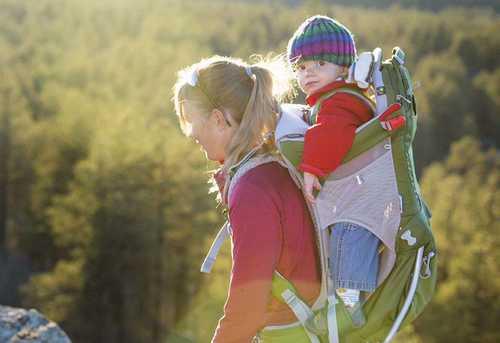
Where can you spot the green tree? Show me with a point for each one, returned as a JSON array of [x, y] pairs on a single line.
[[125, 229], [486, 105], [443, 108], [464, 193], [106, 199]]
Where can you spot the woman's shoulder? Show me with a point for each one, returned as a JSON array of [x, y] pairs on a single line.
[[265, 180], [266, 175]]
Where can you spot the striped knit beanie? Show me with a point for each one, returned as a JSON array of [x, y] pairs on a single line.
[[321, 38]]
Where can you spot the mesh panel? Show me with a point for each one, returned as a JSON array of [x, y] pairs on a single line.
[[368, 196]]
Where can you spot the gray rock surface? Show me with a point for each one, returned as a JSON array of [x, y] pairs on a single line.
[[18, 325]]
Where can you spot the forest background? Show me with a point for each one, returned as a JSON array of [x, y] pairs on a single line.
[[104, 212]]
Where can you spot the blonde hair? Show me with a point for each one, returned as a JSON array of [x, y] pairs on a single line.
[[249, 93]]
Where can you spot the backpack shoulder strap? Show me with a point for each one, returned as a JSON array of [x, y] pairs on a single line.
[[250, 161]]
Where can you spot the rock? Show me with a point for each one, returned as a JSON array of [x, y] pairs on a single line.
[[18, 325]]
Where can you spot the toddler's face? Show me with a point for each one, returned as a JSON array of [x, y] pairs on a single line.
[[314, 75]]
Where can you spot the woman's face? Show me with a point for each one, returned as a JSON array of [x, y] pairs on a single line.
[[212, 132]]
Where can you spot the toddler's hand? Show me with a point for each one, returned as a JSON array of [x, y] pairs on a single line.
[[310, 181]]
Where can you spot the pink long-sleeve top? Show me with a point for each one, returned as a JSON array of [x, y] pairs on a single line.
[[272, 230]]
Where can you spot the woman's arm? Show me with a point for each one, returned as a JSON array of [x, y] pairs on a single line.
[[257, 243]]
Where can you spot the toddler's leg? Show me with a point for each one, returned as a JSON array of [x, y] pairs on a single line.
[[354, 261]]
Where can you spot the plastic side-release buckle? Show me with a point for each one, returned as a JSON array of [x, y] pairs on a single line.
[[400, 97], [427, 266], [394, 123], [389, 111], [398, 55]]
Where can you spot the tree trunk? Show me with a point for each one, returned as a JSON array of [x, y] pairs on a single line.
[[4, 166]]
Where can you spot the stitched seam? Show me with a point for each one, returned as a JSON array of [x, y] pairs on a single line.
[[339, 254]]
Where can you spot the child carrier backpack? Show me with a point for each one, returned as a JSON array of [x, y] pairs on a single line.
[[375, 187]]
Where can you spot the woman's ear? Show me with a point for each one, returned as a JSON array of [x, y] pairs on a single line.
[[220, 119]]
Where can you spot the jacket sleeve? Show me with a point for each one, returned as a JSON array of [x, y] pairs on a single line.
[[328, 141], [257, 244]]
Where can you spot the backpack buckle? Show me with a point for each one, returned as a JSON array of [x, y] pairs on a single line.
[[399, 97], [427, 265], [398, 55]]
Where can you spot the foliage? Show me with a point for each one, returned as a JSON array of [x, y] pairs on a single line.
[[434, 5], [108, 201], [464, 193]]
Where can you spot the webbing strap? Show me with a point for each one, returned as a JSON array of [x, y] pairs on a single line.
[[333, 330], [301, 311], [222, 235], [283, 290], [248, 162]]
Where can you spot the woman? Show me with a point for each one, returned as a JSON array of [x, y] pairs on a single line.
[[228, 107]]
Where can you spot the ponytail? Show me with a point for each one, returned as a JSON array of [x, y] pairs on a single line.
[[259, 119], [247, 94]]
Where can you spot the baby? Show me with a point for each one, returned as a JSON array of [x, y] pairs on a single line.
[[321, 52]]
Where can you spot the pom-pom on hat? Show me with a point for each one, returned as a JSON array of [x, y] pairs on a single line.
[[321, 38]]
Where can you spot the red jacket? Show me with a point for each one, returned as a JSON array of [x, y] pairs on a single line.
[[272, 230], [328, 141]]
